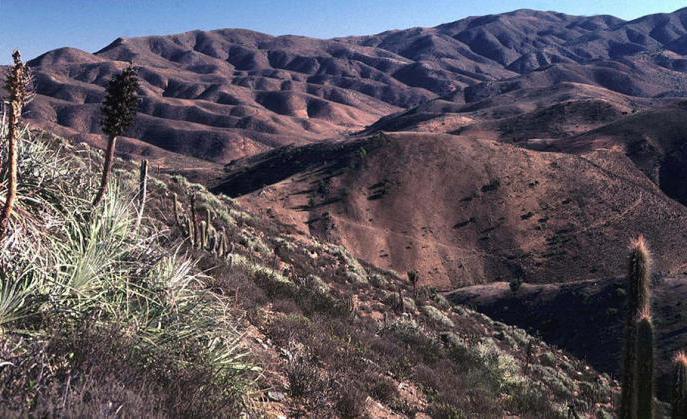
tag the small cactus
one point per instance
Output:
(175, 207)
(212, 238)
(186, 226)
(679, 399)
(195, 235)
(222, 246)
(203, 241)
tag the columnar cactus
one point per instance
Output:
(186, 227)
(208, 230)
(679, 400)
(203, 241)
(175, 207)
(195, 228)
(645, 366)
(638, 313)
(200, 230)
(17, 84)
(212, 238)
(222, 245)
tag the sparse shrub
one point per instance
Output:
(441, 410)
(501, 366)
(384, 389)
(441, 301)
(324, 187)
(286, 305)
(350, 401)
(491, 186)
(408, 305)
(437, 316)
(303, 375)
(515, 284)
(378, 281)
(453, 395)
(413, 278)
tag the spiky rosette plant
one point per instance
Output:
(118, 113)
(18, 85)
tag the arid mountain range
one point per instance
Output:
(226, 94)
(527, 143)
(531, 145)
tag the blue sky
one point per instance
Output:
(37, 26)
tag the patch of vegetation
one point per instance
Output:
(90, 298)
(103, 316)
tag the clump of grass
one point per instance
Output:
(74, 279)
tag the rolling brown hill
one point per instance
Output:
(529, 145)
(654, 139)
(464, 211)
(225, 94)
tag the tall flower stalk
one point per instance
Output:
(118, 111)
(17, 84)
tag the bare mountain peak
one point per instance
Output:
(227, 93)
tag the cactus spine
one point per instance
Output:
(679, 399)
(637, 330)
